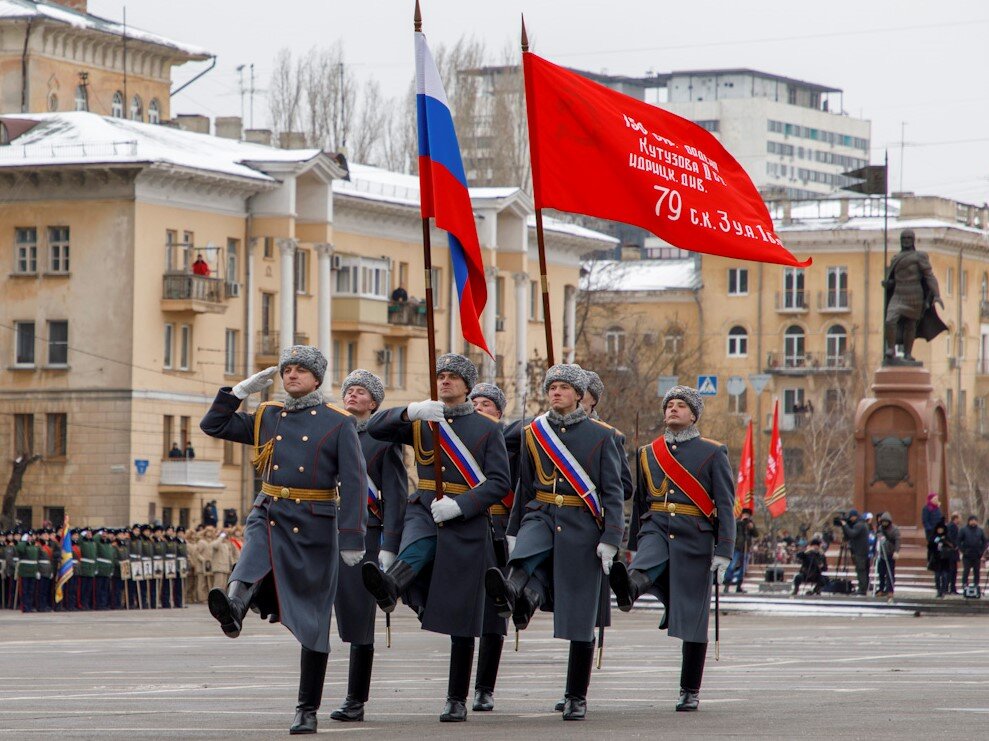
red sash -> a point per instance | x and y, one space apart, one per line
680 476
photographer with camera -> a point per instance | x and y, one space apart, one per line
813 564
856 534
940 548
887 551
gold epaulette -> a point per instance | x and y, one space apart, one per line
609 427
713 442
335 408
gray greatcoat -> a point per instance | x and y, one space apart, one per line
354 606
685 543
290 545
571 533
450 595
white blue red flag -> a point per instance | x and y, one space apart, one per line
444 195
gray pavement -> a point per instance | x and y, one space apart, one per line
170 674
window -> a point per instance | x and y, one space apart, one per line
388 366
58 249
230 353
949 282
154 111
984 289
269 248
188 242
739 404
738 342
835 401
793 347
400 363
55 441
169 342
301 272
23 434
738 281
171 249
58 342
793 461
233 249
335 373
837 347
793 409
351 356
793 288
436 279
229 457
370 278
673 341
136 108
614 343
24 343
185 424
964 284
344 359
82 98
535 302
949 401
185 346
26 246
962 405
500 297
403 275
117 106
168 430
837 295
56 516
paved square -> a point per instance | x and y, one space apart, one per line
170 674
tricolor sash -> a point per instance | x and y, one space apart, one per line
373 498
551 444
460 456
680 476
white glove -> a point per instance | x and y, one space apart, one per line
719 565
427 411
256 383
445 509
511 544
385 559
607 555
351 558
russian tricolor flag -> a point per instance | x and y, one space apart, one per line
444 195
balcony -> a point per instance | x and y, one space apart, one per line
809 363
834 302
182 476
789 421
405 314
193 293
791 302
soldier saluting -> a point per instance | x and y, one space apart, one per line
312 498
387 492
452 534
570 492
683 528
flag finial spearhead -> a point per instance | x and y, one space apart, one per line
525 36
417 19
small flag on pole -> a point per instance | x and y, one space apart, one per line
66 565
745 490
775 480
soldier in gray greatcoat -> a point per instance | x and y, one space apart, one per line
362 393
490 400
310 514
571 539
450 534
683 528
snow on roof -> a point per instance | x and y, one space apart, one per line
30 10
640 275
574 230
87 138
864 214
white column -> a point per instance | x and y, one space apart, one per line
324 304
250 301
490 312
521 338
570 320
286 322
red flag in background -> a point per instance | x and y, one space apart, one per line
601 153
775 481
745 489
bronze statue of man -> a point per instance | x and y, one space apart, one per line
911 292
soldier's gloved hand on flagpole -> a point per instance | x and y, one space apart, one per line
256 383
719 565
511 544
607 555
425 411
445 509
351 558
385 559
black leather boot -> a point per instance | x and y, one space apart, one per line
358 684
578 679
229 608
310 691
488 659
628 585
461 660
385 587
691 673
504 590
526 606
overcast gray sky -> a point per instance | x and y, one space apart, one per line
916 62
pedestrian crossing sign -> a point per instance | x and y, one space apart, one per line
707 385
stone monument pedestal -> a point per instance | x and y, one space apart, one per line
900 437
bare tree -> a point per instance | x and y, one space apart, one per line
19 468
367 142
284 93
971 451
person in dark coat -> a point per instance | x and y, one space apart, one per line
931 514
490 400
954 532
940 547
571 539
972 544
683 528
813 564
210 515
387 493
311 511
745 534
856 533
446 542
887 552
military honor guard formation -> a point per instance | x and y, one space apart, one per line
507 520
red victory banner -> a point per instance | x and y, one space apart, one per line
601 153
775 480
745 489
